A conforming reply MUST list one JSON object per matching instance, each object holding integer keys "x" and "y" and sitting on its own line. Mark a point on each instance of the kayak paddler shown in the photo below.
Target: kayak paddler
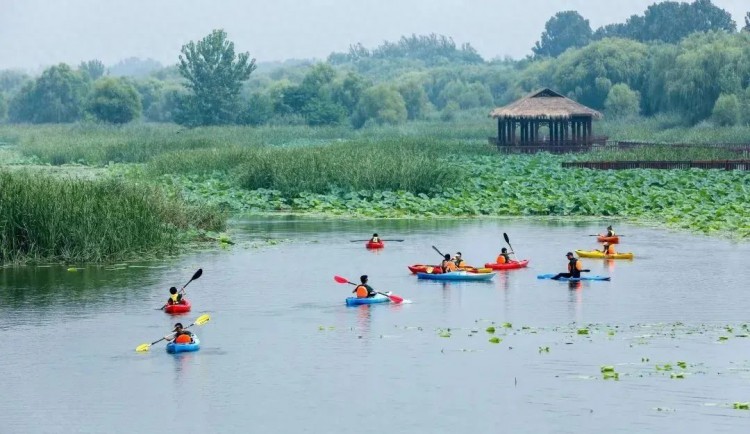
{"x": 610, "y": 232}
{"x": 174, "y": 297}
{"x": 447, "y": 265}
{"x": 574, "y": 267}
{"x": 503, "y": 257}
{"x": 363, "y": 290}
{"x": 180, "y": 335}
{"x": 375, "y": 238}
{"x": 460, "y": 263}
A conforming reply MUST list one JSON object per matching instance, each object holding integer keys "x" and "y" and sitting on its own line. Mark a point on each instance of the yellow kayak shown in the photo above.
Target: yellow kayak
{"x": 600, "y": 255}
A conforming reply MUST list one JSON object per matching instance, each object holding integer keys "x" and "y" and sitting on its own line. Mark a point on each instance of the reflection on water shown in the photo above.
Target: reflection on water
{"x": 282, "y": 340}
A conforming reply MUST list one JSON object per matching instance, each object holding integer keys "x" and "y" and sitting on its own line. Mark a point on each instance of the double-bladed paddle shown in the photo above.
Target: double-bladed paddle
{"x": 394, "y": 298}
{"x": 361, "y": 241}
{"x": 507, "y": 240}
{"x": 199, "y": 321}
{"x": 196, "y": 275}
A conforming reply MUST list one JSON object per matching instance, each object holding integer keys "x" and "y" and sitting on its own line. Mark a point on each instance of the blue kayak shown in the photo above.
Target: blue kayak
{"x": 572, "y": 279}
{"x": 457, "y": 276}
{"x": 173, "y": 348}
{"x": 379, "y": 298}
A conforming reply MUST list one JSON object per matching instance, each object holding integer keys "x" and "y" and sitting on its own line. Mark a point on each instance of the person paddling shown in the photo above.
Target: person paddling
{"x": 610, "y": 232}
{"x": 363, "y": 290}
{"x": 460, "y": 263}
{"x": 375, "y": 238}
{"x": 503, "y": 257}
{"x": 447, "y": 265}
{"x": 574, "y": 268}
{"x": 180, "y": 335}
{"x": 174, "y": 297}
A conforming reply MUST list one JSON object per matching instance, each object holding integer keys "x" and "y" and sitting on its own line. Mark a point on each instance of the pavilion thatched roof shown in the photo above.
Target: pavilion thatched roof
{"x": 544, "y": 104}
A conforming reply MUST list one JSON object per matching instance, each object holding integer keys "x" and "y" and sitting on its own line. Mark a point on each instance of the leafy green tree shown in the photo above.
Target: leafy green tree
{"x": 564, "y": 30}
{"x": 671, "y": 21}
{"x": 622, "y": 102}
{"x": 726, "y": 111}
{"x": 587, "y": 74}
{"x": 708, "y": 65}
{"x": 747, "y": 22}
{"x": 93, "y": 68}
{"x": 57, "y": 96}
{"x": 466, "y": 95}
{"x": 348, "y": 91}
{"x": 258, "y": 110}
{"x": 150, "y": 91}
{"x": 315, "y": 98}
{"x": 381, "y": 104}
{"x": 167, "y": 107}
{"x": 114, "y": 100}
{"x": 415, "y": 97}
{"x": 214, "y": 75}
{"x": 11, "y": 81}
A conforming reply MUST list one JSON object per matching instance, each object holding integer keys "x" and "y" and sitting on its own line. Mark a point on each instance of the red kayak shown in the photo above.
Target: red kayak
{"x": 611, "y": 240}
{"x": 182, "y": 307}
{"x": 378, "y": 245}
{"x": 512, "y": 265}
{"x": 435, "y": 269}
{"x": 419, "y": 268}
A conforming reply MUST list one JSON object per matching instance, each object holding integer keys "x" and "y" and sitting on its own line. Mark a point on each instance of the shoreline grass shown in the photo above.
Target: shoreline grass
{"x": 64, "y": 219}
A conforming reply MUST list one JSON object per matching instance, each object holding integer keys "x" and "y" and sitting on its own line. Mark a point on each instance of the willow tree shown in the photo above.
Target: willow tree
{"x": 214, "y": 74}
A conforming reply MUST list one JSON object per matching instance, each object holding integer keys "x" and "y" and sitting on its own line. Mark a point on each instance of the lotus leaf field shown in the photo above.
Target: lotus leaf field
{"x": 707, "y": 201}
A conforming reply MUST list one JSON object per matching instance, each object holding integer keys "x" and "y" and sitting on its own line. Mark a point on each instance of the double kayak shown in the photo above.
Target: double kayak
{"x": 173, "y": 348}
{"x": 457, "y": 276}
{"x": 435, "y": 269}
{"x": 512, "y": 265}
{"x": 572, "y": 279}
{"x": 183, "y": 307}
{"x": 372, "y": 245}
{"x": 379, "y": 298}
{"x": 606, "y": 239}
{"x": 600, "y": 255}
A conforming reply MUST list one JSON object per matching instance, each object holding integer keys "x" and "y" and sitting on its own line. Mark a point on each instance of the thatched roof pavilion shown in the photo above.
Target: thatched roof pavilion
{"x": 568, "y": 122}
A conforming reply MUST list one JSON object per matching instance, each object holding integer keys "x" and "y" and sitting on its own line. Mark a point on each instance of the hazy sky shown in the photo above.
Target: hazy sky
{"x": 37, "y": 33}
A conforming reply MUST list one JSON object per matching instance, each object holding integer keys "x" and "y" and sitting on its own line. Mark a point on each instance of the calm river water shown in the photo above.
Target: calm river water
{"x": 282, "y": 354}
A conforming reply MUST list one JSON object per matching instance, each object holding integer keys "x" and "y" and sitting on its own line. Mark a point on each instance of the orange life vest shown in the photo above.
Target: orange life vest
{"x": 362, "y": 292}
{"x": 611, "y": 250}
{"x": 183, "y": 339}
{"x": 448, "y": 266}
{"x": 500, "y": 259}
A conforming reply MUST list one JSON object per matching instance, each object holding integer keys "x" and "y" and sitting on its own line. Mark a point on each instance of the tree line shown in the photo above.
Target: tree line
{"x": 684, "y": 60}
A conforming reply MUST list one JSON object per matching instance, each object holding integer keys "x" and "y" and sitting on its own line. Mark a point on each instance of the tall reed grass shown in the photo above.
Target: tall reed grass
{"x": 45, "y": 218}
{"x": 414, "y": 165}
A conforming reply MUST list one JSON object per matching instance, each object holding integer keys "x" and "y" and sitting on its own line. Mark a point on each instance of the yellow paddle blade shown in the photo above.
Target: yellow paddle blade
{"x": 202, "y": 319}
{"x": 484, "y": 270}
{"x": 142, "y": 347}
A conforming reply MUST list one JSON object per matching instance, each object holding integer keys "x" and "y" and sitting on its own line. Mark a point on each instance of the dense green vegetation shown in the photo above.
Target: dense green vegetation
{"x": 45, "y": 218}
{"x": 700, "y": 200}
{"x": 679, "y": 59}
{"x": 399, "y": 130}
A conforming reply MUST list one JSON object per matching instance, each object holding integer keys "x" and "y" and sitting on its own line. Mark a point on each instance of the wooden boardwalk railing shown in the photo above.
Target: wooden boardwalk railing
{"x": 619, "y": 165}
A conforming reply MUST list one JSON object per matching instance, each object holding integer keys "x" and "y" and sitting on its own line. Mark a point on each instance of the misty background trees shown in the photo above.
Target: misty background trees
{"x": 684, "y": 61}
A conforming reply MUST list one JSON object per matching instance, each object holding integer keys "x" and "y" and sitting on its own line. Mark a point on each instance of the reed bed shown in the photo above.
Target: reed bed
{"x": 417, "y": 166}
{"x": 44, "y": 218}
{"x": 660, "y": 153}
